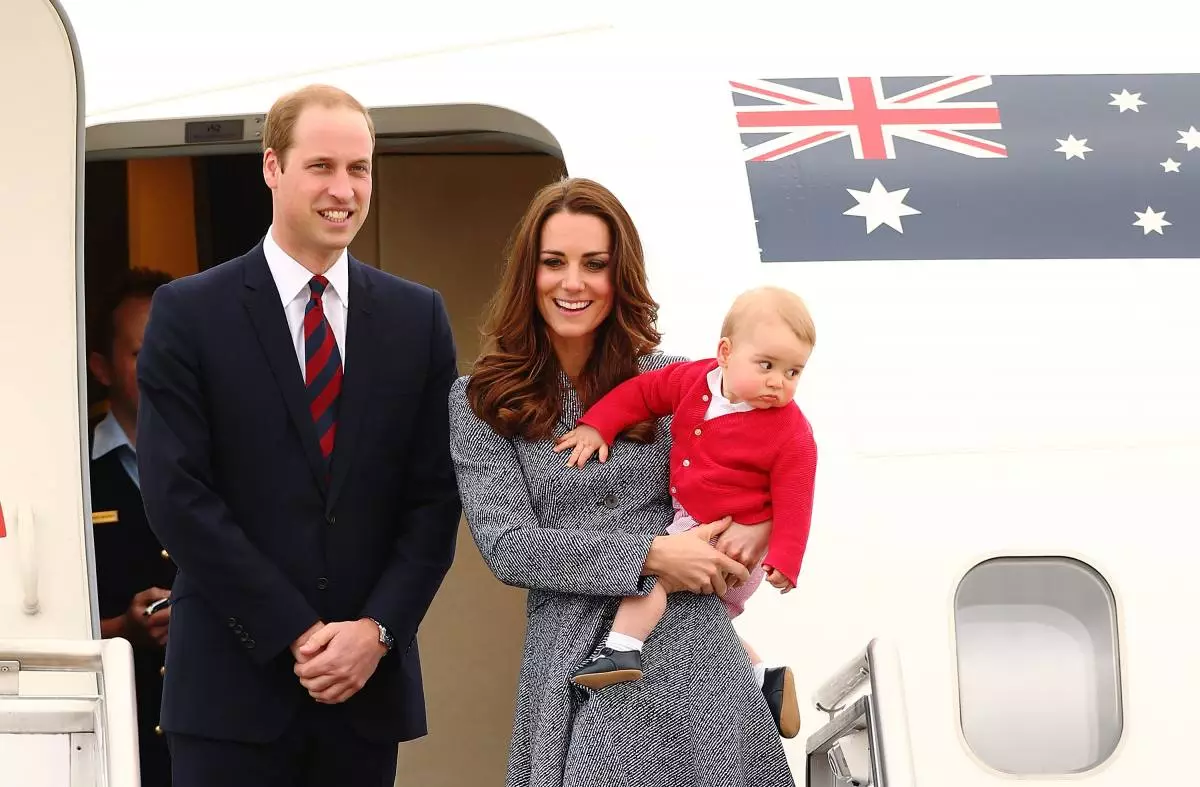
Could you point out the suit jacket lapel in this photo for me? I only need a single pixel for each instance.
(356, 382)
(261, 299)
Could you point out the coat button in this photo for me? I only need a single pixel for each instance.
(322, 583)
(610, 501)
(164, 554)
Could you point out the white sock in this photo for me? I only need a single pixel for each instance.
(760, 673)
(622, 642)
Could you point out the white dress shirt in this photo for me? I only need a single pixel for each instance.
(720, 405)
(109, 436)
(292, 278)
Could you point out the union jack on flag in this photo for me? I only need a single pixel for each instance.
(872, 120)
(894, 167)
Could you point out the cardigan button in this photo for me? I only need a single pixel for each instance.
(704, 398)
(697, 433)
(687, 462)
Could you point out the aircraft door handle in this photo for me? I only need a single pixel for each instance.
(24, 533)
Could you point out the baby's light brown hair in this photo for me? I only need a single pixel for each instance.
(752, 305)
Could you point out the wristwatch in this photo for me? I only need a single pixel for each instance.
(385, 636)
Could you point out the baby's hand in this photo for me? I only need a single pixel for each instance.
(586, 442)
(777, 579)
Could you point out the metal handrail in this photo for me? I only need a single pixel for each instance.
(842, 684)
(116, 728)
(884, 710)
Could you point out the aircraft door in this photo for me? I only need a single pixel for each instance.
(45, 585)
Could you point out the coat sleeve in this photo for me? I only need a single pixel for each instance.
(175, 466)
(516, 546)
(793, 480)
(424, 545)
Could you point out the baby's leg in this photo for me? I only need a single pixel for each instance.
(638, 615)
(620, 658)
(777, 682)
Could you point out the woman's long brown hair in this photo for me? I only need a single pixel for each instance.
(514, 386)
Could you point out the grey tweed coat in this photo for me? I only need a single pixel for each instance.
(577, 539)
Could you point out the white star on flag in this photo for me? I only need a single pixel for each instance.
(880, 206)
(1151, 221)
(1126, 100)
(1072, 147)
(1170, 165)
(1191, 138)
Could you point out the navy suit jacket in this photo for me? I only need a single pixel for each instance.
(233, 485)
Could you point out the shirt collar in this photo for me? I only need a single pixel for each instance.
(292, 278)
(714, 387)
(108, 437)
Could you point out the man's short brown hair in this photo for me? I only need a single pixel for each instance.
(281, 120)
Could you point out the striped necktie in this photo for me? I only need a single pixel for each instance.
(322, 367)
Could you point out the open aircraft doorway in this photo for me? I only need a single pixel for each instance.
(450, 183)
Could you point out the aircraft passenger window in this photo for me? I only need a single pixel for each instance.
(1039, 677)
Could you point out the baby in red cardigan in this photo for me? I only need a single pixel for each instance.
(740, 448)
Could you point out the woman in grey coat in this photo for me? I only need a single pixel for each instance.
(573, 318)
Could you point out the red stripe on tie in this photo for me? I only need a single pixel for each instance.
(326, 397)
(321, 357)
(327, 440)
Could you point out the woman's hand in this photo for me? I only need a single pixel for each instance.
(747, 544)
(687, 561)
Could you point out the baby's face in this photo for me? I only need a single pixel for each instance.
(762, 363)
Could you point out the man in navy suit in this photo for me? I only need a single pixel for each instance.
(293, 448)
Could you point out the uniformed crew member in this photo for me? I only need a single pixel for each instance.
(132, 569)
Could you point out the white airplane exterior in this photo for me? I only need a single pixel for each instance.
(995, 220)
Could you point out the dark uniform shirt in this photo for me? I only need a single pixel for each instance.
(129, 559)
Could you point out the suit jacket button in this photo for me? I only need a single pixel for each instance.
(331, 519)
(322, 583)
(250, 644)
(233, 623)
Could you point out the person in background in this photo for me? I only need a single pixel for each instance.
(133, 571)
